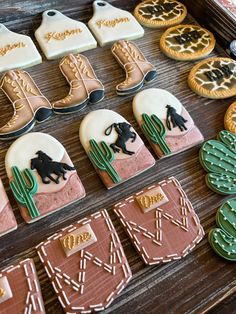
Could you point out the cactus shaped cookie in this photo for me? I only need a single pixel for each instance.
(165, 122)
(218, 158)
(223, 238)
(41, 176)
(114, 148)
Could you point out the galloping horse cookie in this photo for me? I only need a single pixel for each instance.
(187, 42)
(165, 122)
(160, 13)
(114, 148)
(41, 175)
(214, 78)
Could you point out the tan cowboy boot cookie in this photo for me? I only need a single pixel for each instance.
(84, 85)
(138, 69)
(29, 105)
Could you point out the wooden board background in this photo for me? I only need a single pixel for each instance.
(199, 283)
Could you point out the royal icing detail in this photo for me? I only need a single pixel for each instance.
(112, 23)
(151, 199)
(6, 49)
(77, 240)
(187, 37)
(230, 118)
(5, 290)
(62, 35)
(219, 74)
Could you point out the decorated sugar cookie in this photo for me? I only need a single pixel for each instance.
(223, 238)
(160, 222)
(84, 85)
(20, 290)
(187, 42)
(16, 50)
(230, 118)
(165, 122)
(41, 176)
(86, 264)
(114, 148)
(29, 104)
(138, 70)
(218, 158)
(214, 78)
(110, 24)
(7, 218)
(160, 13)
(58, 35)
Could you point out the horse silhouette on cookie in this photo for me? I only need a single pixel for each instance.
(176, 119)
(46, 167)
(124, 134)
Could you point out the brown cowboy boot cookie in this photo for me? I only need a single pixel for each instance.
(84, 85)
(29, 104)
(138, 69)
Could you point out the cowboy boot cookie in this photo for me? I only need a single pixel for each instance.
(29, 105)
(138, 69)
(84, 85)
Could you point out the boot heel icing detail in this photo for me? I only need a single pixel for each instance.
(84, 85)
(27, 102)
(138, 69)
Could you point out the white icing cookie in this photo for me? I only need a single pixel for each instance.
(114, 148)
(59, 35)
(45, 160)
(16, 50)
(110, 24)
(165, 122)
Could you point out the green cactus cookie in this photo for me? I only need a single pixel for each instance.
(223, 239)
(218, 158)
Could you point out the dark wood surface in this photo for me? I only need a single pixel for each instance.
(199, 283)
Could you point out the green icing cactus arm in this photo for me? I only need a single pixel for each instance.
(229, 139)
(155, 130)
(221, 183)
(223, 239)
(24, 186)
(102, 158)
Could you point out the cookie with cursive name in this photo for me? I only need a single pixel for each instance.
(160, 13)
(187, 42)
(59, 35)
(214, 78)
(86, 264)
(160, 222)
(110, 24)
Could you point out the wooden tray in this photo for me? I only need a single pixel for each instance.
(198, 283)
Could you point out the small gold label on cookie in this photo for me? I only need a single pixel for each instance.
(112, 23)
(5, 290)
(4, 50)
(151, 199)
(63, 35)
(2, 292)
(78, 240)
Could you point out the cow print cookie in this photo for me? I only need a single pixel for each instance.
(187, 42)
(214, 78)
(20, 290)
(41, 176)
(110, 24)
(59, 35)
(160, 13)
(86, 264)
(230, 118)
(165, 122)
(114, 148)
(160, 222)
(7, 218)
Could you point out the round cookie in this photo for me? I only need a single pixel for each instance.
(214, 78)
(160, 13)
(187, 42)
(230, 118)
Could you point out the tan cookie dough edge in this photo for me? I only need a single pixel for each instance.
(201, 90)
(186, 56)
(228, 123)
(159, 24)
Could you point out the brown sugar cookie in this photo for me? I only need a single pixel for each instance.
(214, 78)
(230, 118)
(187, 42)
(160, 13)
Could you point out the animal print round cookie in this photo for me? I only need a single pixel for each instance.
(214, 78)
(230, 118)
(187, 42)
(160, 13)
